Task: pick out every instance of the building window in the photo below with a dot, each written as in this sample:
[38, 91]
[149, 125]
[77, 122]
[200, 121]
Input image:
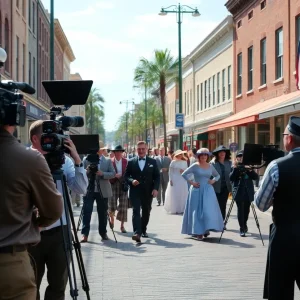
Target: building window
[6, 44]
[297, 32]
[188, 102]
[29, 68]
[239, 23]
[0, 29]
[250, 15]
[218, 88]
[23, 63]
[201, 103]
[279, 53]
[29, 15]
[250, 68]
[23, 8]
[17, 58]
[209, 92]
[33, 17]
[198, 98]
[18, 4]
[229, 82]
[223, 86]
[191, 102]
[263, 61]
[263, 4]
[185, 103]
[214, 90]
[33, 68]
[205, 92]
[239, 74]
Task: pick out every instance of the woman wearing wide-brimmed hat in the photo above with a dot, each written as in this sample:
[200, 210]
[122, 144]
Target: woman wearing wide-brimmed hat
[202, 213]
[177, 190]
[222, 164]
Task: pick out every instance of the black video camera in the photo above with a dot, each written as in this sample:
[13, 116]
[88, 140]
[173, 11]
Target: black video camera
[256, 154]
[66, 94]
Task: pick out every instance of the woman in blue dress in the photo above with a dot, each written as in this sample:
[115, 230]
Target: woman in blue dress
[202, 212]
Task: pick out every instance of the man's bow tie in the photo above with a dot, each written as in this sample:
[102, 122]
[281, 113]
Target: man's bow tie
[142, 158]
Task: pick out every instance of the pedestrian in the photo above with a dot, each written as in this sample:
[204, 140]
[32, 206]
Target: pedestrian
[163, 164]
[143, 178]
[242, 190]
[119, 189]
[222, 164]
[280, 188]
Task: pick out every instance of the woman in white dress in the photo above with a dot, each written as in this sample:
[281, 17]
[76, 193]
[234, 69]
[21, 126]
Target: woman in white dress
[177, 190]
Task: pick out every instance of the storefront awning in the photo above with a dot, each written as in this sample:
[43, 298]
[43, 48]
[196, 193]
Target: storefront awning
[281, 109]
[251, 114]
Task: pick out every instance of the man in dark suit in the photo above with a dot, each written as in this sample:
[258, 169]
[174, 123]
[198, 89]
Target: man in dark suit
[143, 178]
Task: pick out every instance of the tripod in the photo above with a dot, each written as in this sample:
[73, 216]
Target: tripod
[90, 191]
[71, 239]
[242, 180]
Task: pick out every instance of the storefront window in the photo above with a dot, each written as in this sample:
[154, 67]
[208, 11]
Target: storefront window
[220, 138]
[242, 136]
[263, 134]
[279, 129]
[251, 134]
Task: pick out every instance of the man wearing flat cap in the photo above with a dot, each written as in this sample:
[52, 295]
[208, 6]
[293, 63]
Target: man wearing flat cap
[280, 188]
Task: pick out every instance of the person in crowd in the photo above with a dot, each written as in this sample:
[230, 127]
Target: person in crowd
[280, 188]
[242, 190]
[192, 156]
[177, 190]
[119, 194]
[171, 154]
[222, 164]
[202, 213]
[163, 164]
[111, 154]
[29, 201]
[143, 177]
[104, 173]
[50, 251]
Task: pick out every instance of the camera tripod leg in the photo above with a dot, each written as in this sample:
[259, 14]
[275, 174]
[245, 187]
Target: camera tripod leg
[227, 218]
[80, 217]
[256, 220]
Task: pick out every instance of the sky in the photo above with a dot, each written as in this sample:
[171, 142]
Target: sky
[108, 37]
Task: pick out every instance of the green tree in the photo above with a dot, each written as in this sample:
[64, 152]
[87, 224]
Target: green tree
[157, 72]
[154, 116]
[94, 112]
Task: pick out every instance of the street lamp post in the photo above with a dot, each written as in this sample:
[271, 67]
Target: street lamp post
[126, 121]
[146, 116]
[52, 40]
[179, 10]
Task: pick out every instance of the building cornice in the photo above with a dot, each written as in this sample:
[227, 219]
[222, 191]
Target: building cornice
[225, 26]
[235, 6]
[63, 41]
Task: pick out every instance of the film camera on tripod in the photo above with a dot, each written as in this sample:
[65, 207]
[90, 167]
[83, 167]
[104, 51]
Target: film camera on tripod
[254, 156]
[53, 142]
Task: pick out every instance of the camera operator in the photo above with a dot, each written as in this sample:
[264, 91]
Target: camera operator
[280, 188]
[105, 171]
[241, 177]
[50, 251]
[26, 187]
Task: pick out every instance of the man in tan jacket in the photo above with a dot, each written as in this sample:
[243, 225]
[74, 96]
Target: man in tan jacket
[28, 200]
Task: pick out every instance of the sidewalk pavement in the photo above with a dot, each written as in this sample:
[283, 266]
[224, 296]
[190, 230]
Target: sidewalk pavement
[168, 265]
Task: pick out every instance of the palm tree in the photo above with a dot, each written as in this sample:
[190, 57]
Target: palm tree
[157, 73]
[154, 116]
[94, 111]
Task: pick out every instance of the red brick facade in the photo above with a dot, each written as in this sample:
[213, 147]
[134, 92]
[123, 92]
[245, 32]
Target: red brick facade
[255, 20]
[5, 34]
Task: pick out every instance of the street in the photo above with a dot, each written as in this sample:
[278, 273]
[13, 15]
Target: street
[168, 265]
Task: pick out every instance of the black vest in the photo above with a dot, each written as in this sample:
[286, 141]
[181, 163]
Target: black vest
[286, 203]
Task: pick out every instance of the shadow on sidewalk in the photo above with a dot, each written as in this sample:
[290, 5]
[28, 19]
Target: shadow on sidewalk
[252, 234]
[165, 243]
[226, 242]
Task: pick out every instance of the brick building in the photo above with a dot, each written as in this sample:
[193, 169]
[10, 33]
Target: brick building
[266, 35]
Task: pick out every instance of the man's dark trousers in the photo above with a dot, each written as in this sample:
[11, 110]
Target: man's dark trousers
[140, 223]
[102, 207]
[51, 252]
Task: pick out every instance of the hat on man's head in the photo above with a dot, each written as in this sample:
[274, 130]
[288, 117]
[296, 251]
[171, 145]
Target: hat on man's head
[240, 153]
[294, 125]
[118, 148]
